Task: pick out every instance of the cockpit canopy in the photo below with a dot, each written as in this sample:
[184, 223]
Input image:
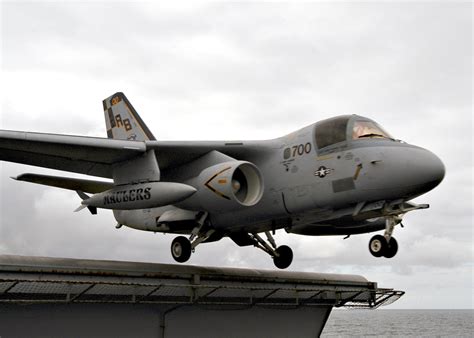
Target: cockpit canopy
[339, 130]
[368, 129]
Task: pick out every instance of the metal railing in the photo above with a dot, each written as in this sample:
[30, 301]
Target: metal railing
[67, 290]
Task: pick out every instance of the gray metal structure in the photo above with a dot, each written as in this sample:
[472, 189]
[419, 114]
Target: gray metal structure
[340, 176]
[57, 297]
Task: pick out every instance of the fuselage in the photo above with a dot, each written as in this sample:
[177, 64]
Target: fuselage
[331, 165]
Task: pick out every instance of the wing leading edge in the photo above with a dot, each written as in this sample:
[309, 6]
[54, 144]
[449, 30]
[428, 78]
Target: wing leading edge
[96, 156]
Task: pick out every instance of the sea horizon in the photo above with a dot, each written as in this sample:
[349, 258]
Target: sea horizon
[346, 322]
[385, 309]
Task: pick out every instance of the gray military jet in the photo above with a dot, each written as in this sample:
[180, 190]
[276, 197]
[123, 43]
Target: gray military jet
[341, 176]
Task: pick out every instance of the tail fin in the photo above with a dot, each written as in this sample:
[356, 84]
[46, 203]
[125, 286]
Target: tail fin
[123, 121]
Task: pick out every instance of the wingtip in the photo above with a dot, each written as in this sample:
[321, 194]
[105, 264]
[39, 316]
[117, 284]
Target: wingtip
[20, 177]
[80, 207]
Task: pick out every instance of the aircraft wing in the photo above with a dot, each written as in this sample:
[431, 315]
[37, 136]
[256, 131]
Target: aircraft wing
[83, 155]
[95, 156]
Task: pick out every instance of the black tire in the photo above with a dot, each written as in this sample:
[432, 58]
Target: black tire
[378, 246]
[391, 249]
[284, 258]
[181, 249]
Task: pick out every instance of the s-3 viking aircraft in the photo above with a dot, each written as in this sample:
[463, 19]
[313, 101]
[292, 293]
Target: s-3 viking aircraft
[341, 176]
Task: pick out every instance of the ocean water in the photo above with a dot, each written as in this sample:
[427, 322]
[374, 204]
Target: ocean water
[400, 323]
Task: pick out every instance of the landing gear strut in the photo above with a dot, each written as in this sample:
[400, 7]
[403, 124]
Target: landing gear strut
[282, 255]
[385, 245]
[181, 247]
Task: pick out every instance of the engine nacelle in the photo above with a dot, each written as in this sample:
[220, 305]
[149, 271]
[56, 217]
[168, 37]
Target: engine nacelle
[225, 187]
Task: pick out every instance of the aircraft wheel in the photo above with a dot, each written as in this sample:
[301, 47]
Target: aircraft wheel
[377, 245]
[181, 249]
[391, 249]
[285, 257]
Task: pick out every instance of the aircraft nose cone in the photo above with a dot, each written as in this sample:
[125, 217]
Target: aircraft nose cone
[402, 171]
[429, 170]
[438, 170]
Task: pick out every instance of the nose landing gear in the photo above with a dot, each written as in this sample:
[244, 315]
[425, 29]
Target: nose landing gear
[378, 246]
[385, 245]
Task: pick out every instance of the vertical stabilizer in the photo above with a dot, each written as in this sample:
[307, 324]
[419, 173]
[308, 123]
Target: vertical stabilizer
[122, 120]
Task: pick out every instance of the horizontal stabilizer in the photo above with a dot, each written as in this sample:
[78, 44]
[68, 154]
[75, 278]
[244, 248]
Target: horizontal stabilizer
[76, 184]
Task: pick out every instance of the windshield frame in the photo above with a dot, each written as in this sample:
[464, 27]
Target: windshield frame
[336, 146]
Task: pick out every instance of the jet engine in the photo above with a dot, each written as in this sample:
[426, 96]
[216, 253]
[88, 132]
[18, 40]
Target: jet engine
[225, 187]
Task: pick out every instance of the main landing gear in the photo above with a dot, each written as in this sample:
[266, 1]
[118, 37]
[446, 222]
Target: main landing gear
[385, 245]
[282, 255]
[182, 247]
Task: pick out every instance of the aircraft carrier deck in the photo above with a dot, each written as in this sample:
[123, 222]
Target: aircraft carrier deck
[59, 297]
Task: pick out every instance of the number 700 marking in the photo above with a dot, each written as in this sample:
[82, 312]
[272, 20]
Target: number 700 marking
[297, 150]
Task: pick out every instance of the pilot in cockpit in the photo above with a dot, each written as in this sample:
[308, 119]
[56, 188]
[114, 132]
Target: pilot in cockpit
[368, 129]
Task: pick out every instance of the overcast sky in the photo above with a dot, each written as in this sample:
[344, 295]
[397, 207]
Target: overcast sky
[247, 71]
